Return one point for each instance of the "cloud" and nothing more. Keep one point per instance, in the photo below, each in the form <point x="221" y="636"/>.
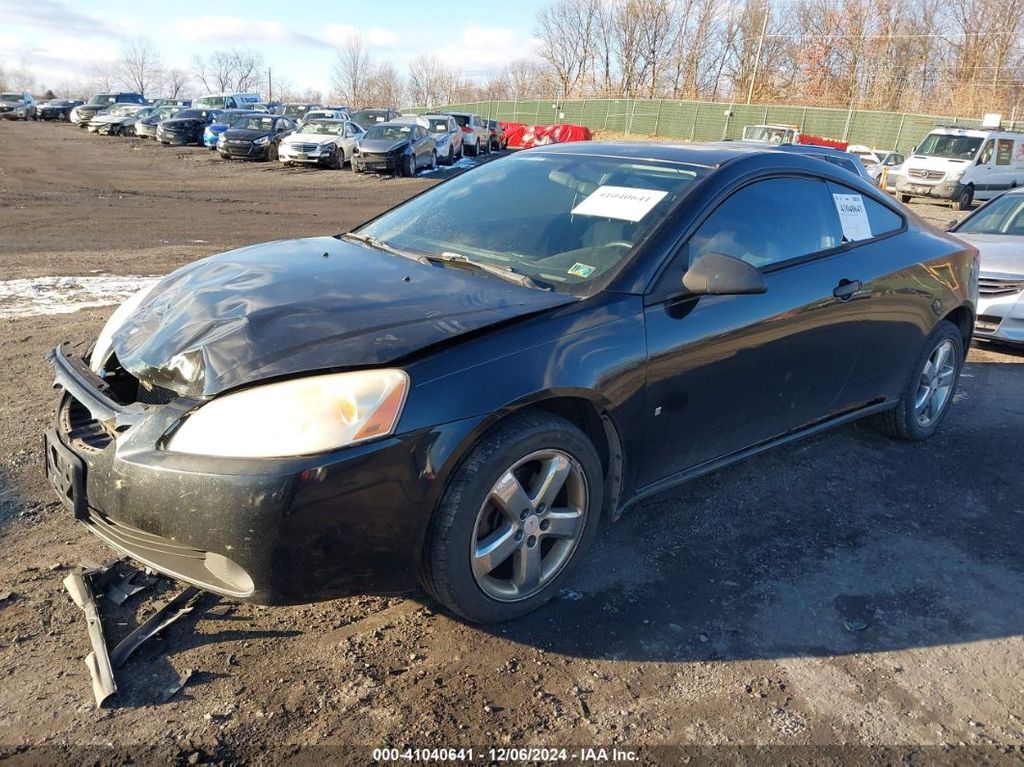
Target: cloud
<point x="375" y="37"/>
<point x="238" y="31"/>
<point x="55" y="15"/>
<point x="484" y="50"/>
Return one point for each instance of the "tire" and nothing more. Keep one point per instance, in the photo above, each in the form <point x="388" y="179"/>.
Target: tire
<point x="966" y="198"/>
<point x="447" y="571"/>
<point x="409" y="166"/>
<point x="905" y="420"/>
<point x="272" y="153"/>
<point x="451" y="156"/>
<point x="338" y="162"/>
<point x="475" y="150"/>
<point x="904" y="198"/>
<point x="433" y="161"/>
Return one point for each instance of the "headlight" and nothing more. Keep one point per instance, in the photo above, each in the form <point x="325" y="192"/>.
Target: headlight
<point x="298" y="417"/>
<point x="956" y="175"/>
<point x="104" y="342"/>
<point x="262" y="141"/>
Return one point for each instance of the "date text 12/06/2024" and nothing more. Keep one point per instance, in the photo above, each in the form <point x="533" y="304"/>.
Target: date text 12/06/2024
<point x="504" y="754"/>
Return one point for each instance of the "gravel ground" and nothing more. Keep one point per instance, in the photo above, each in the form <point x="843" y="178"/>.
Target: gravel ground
<point x="845" y="590"/>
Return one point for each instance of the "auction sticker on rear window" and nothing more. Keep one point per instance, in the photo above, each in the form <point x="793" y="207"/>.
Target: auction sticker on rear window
<point x="622" y="202"/>
<point x="853" y="216"/>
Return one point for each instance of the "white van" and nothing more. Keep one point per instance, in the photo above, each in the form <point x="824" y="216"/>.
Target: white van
<point x="964" y="165"/>
<point x="226" y="101"/>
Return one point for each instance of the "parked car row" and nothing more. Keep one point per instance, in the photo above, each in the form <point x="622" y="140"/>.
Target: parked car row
<point x="240" y="126"/>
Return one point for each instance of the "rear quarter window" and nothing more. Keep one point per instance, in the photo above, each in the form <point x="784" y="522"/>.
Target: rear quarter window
<point x="882" y="220"/>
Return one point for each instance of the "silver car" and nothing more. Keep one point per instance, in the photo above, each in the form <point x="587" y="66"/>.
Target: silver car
<point x="996" y="229"/>
<point x="445" y="131"/>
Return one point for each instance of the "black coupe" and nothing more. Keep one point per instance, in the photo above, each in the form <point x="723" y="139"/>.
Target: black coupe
<point x="457" y="401"/>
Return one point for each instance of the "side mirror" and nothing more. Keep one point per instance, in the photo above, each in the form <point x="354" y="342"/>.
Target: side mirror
<point x="951" y="224"/>
<point x="714" y="274"/>
<point x="913" y="149"/>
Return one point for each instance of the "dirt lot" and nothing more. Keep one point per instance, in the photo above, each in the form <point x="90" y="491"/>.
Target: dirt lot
<point x="846" y="590"/>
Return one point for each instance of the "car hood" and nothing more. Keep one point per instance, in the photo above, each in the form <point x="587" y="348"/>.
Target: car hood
<point x="245" y="135"/>
<point x="380" y="146"/>
<point x="10" y="104"/>
<point x="1000" y="253"/>
<point x="107" y="118"/>
<point x="309" y="138"/>
<point x="297" y="306"/>
<point x="181" y="122"/>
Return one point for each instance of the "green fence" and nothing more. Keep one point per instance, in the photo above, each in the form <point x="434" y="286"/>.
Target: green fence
<point x="712" y="121"/>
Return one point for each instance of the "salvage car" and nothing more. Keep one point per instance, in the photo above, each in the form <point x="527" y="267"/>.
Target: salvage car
<point x="476" y="138"/>
<point x="17" y="106"/>
<point x="255" y="137"/>
<point x="58" y="109"/>
<point x="297" y="111"/>
<point x="119" y="120"/>
<point x="186" y="127"/>
<point x="146" y="127"/>
<point x="325" y="143"/>
<point x="81" y="115"/>
<point x="996" y="229"/>
<point x="445" y="132"/>
<point x="223" y="121"/>
<point x="499" y="140"/>
<point x="395" y="147"/>
<point x="366" y="118"/>
<point x="457" y="401"/>
<point x="324" y="114"/>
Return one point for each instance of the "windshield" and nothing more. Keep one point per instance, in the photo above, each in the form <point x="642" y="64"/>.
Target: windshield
<point x="191" y="114"/>
<point x="166" y="112"/>
<point x="10" y="97"/>
<point x="949" y="147"/>
<point x="462" y="120"/>
<point x="103" y="98"/>
<point x="564" y="220"/>
<point x="768" y="135"/>
<point x="388" y="132"/>
<point x="1004" y="215"/>
<point x="265" y="124"/>
<point x="295" y="110"/>
<point x="439" y="126"/>
<point x="322" y="128"/>
<point x="124" y="110"/>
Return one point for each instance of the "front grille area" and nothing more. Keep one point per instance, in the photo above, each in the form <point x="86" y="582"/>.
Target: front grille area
<point x="83" y="431"/>
<point x="933" y="175"/>
<point x="307" y="148"/>
<point x="993" y="286"/>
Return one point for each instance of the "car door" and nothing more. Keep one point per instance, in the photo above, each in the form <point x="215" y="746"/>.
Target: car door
<point x="728" y="372"/>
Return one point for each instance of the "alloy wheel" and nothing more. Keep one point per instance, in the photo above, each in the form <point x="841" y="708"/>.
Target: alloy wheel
<point x="529" y="525"/>
<point x="936" y="383"/>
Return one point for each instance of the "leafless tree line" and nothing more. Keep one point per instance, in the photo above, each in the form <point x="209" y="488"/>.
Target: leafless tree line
<point x="961" y="56"/>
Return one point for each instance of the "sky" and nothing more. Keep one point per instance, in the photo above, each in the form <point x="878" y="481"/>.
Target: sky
<point x="59" y="40"/>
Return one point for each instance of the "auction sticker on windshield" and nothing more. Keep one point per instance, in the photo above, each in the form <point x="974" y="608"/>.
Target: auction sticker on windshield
<point x="853" y="216"/>
<point x="622" y="202"/>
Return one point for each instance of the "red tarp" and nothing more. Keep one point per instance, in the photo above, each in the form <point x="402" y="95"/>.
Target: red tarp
<point x="834" y="143"/>
<point x="522" y="136"/>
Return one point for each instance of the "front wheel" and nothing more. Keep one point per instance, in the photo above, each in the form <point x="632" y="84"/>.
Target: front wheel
<point x="515" y="517"/>
<point x="272" y="153"/>
<point x="409" y="166"/>
<point x="966" y="198"/>
<point x="926" y="398"/>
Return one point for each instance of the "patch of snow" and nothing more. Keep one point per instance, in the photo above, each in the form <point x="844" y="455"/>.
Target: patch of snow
<point x="37" y="296"/>
<point x="465" y="162"/>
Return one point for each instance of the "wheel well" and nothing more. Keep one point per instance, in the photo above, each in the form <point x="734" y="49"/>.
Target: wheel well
<point x="600" y="430"/>
<point x="963" y="318"/>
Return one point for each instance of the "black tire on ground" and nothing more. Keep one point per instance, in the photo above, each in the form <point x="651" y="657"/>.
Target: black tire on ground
<point x="475" y="150"/>
<point x="409" y="166"/>
<point x="966" y="198"/>
<point x="272" y="153"/>
<point x="902" y="422"/>
<point x="446" y="571"/>
<point x="904" y="198"/>
<point x="451" y="156"/>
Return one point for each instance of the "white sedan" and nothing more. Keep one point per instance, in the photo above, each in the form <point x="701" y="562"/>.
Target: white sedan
<point x="325" y="143"/>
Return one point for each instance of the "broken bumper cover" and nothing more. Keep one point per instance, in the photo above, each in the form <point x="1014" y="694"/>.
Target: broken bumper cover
<point x="271" y="531"/>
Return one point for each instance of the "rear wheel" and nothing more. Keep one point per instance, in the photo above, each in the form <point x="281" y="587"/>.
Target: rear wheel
<point x="516" y="515"/>
<point x="904" y="198"/>
<point x="926" y="398"/>
<point x="451" y="155"/>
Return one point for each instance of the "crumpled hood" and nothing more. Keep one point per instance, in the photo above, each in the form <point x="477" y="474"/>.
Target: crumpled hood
<point x="240" y="134"/>
<point x="296" y="306"/>
<point x="1000" y="253"/>
<point x="381" y="146"/>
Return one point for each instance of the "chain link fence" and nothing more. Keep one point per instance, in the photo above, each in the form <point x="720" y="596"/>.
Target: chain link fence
<point x="713" y="121"/>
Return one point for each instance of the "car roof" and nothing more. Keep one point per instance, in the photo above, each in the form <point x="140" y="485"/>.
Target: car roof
<point x="710" y="154"/>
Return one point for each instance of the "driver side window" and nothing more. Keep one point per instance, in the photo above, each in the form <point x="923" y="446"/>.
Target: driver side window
<point x="770" y="222"/>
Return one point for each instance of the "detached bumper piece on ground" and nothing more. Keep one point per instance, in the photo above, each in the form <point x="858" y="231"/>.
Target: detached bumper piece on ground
<point x="84" y="586"/>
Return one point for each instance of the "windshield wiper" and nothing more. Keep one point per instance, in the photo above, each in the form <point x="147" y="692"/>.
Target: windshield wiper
<point x="373" y="242"/>
<point x="504" y="272"/>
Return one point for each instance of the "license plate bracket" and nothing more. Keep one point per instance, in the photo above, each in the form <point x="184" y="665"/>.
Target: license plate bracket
<point x="66" y="474"/>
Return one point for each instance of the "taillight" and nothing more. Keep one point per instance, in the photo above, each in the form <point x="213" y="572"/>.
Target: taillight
<point x="466" y="129"/>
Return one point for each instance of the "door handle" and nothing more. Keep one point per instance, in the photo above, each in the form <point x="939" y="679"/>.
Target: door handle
<point x="846" y="288"/>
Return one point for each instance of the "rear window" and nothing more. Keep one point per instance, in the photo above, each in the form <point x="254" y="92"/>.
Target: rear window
<point x="462" y="120"/>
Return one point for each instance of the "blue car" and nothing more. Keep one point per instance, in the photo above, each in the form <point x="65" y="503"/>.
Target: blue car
<point x="222" y="123"/>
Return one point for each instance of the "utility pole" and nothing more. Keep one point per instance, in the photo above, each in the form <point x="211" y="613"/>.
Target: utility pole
<point x="757" y="56"/>
<point x="270" y="85"/>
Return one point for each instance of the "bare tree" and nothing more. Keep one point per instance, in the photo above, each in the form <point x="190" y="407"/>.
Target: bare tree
<point x="140" y="65"/>
<point x="104" y="76"/>
<point x="566" y="33"/>
<point x="238" y="70"/>
<point x="351" y="69"/>
<point x="431" y="81"/>
<point x="384" y="86"/>
<point x="176" y="83"/>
